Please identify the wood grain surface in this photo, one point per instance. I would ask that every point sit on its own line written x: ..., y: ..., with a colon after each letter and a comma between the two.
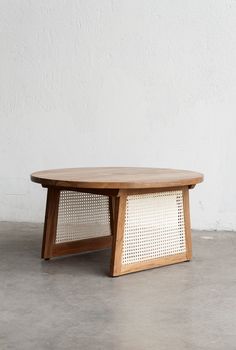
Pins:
x: 116, y: 178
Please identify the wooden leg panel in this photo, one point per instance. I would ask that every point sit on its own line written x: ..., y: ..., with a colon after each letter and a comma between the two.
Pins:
x: 151, y: 229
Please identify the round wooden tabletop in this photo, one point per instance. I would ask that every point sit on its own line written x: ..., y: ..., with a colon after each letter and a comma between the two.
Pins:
x: 116, y: 178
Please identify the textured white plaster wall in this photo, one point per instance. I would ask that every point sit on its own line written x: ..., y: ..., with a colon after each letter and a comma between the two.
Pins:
x: 123, y: 82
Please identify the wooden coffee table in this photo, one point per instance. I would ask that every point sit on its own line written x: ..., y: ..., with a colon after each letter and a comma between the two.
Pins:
x: 142, y: 213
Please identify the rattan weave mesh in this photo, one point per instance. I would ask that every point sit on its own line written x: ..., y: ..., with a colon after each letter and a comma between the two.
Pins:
x: 82, y: 216
x: 154, y: 226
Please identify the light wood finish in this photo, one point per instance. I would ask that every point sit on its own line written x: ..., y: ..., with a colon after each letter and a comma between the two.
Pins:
x: 135, y: 191
x: 116, y: 178
x: 50, y: 223
x: 101, y: 191
x: 168, y: 260
x: 112, y: 204
x: 83, y: 245
x: 117, y: 183
x: 52, y: 249
x: 117, y: 268
x: 120, y: 209
x: 188, y: 236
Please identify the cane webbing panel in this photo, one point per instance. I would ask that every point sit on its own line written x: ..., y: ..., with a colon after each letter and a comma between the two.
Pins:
x: 154, y: 226
x: 82, y: 216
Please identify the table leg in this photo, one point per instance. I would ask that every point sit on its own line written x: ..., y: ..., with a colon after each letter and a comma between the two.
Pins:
x: 50, y: 223
x: 76, y: 222
x: 118, y: 234
x: 151, y: 229
x: 188, y: 234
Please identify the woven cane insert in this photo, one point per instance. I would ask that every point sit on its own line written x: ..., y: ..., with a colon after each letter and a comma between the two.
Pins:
x: 82, y: 216
x: 154, y: 226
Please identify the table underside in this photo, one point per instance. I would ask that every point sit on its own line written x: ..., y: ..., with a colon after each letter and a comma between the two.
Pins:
x: 144, y: 228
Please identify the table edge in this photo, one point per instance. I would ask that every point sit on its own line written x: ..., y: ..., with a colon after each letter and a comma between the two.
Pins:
x: 117, y: 185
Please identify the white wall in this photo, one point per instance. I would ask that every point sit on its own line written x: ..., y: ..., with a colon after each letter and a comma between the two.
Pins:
x: 123, y: 82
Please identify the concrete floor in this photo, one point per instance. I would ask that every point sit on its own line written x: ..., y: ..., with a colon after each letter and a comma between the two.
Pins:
x: 70, y: 303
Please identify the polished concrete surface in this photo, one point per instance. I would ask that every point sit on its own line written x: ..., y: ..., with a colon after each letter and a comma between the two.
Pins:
x: 70, y: 303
